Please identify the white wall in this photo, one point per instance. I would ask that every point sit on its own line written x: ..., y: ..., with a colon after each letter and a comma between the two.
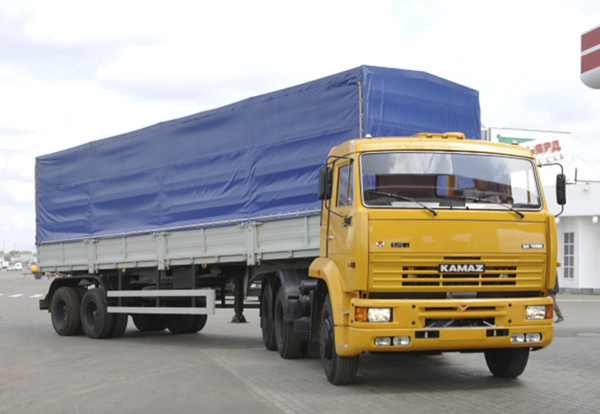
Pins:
x: 583, y: 204
x: 588, y: 253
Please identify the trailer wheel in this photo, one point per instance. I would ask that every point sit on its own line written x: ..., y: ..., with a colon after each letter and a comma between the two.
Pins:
x: 180, y: 324
x: 146, y: 322
x: 266, y: 317
x: 119, y: 325
x: 287, y: 344
x: 65, y: 311
x: 339, y: 370
x: 199, y: 323
x: 95, y: 320
x: 507, y: 363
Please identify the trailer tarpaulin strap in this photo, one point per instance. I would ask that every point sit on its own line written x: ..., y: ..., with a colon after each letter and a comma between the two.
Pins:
x: 257, y: 158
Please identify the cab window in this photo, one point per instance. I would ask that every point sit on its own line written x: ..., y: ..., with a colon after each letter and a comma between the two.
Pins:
x: 345, y: 186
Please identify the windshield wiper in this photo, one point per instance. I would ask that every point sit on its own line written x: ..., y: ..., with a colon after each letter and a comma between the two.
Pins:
x: 404, y: 198
x: 482, y: 199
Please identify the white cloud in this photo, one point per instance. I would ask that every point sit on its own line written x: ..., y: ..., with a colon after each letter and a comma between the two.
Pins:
x: 72, y: 71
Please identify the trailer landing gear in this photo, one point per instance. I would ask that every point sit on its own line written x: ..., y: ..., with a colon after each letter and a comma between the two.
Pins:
x: 238, y: 301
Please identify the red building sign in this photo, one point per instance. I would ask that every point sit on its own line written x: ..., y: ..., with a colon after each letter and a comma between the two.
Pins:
x: 590, y: 58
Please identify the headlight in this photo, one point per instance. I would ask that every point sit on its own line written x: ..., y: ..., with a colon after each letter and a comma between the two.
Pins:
x: 379, y: 315
x: 536, y: 312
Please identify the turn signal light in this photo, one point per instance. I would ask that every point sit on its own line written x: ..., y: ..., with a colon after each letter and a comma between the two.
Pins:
x: 361, y: 314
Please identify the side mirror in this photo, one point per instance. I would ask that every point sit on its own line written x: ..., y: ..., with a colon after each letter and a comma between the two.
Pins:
x: 325, y: 182
x: 561, y: 189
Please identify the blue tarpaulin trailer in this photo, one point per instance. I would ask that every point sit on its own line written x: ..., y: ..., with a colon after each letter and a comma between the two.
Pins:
x: 253, y: 160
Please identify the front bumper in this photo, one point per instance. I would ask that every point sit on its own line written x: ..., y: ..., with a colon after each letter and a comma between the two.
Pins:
x: 445, y: 325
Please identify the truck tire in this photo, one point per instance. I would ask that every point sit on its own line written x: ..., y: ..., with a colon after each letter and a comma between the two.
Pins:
x: 507, y: 363
x: 119, y: 325
x: 199, y: 323
x: 146, y: 322
x: 65, y: 311
x: 95, y: 320
x: 266, y: 317
x: 339, y: 370
x: 287, y: 344
x: 180, y: 324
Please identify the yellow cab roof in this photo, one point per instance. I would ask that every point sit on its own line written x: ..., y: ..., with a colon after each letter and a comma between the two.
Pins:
x: 432, y: 142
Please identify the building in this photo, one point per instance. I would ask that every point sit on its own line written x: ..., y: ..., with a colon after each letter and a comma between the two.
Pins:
x: 578, y: 226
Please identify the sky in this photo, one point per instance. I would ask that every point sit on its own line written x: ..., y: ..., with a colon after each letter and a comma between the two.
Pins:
x: 74, y: 71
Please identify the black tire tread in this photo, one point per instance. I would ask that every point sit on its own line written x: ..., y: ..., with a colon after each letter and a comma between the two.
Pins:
x: 146, y: 322
x: 338, y: 369
x: 198, y: 324
x: 68, y: 296
x: 100, y: 326
x: 180, y: 324
x: 507, y: 363
x: 267, y: 321
x: 288, y: 345
x: 119, y: 325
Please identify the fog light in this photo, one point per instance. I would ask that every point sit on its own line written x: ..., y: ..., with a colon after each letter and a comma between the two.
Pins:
x: 401, y: 340
x: 536, y: 312
x: 383, y: 341
x: 380, y: 314
x: 533, y: 337
x: 517, y: 338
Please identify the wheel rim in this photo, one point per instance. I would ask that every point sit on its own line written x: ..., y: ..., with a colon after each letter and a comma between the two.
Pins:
x: 91, y: 314
x: 61, y: 313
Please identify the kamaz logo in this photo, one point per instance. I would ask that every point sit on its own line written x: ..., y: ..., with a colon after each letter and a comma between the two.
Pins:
x: 462, y: 268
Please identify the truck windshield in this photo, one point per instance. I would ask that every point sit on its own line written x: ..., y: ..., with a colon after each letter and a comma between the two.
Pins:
x: 448, y: 180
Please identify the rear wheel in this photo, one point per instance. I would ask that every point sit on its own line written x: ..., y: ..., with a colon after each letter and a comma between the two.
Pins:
x: 266, y: 317
x: 65, y: 311
x: 198, y: 324
x: 180, y: 324
x: 339, y: 370
x: 507, y: 363
x: 95, y: 320
x: 287, y: 344
x: 119, y: 325
x: 145, y: 322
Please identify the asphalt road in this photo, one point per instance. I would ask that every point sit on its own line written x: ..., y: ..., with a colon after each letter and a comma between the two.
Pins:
x: 225, y: 369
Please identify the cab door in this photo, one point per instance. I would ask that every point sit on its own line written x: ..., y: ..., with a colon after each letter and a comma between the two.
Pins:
x: 341, y: 229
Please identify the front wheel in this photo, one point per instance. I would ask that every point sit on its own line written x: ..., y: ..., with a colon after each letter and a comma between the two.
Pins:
x: 339, y: 370
x: 507, y: 363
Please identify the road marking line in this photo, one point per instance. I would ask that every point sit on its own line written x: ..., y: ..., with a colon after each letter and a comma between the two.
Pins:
x: 39, y: 295
x: 18, y: 295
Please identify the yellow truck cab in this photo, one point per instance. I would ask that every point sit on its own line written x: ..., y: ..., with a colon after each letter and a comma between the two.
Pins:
x: 434, y: 243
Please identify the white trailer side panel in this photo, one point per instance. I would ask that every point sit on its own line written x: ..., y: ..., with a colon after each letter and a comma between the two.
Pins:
x: 249, y: 243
